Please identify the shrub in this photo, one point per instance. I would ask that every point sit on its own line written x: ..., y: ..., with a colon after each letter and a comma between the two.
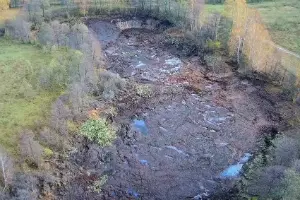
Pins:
x: 144, y: 90
x: 79, y: 35
x: 72, y: 126
x: 25, y: 186
x: 46, y: 35
x: 18, y: 29
x: 48, y: 153
x: 286, y: 151
x: 30, y: 149
x: 292, y: 185
x: 59, y: 116
x: 99, y: 131
x: 26, y: 90
x: 79, y: 99
x: 213, y: 45
x: 4, y: 4
x: 296, y: 165
x: 110, y: 85
x: 215, y: 62
x: 268, y: 183
x: 97, y: 185
x: 50, y: 138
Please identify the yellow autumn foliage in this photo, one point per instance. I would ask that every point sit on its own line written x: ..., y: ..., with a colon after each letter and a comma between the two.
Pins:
x: 251, y: 40
x: 4, y: 4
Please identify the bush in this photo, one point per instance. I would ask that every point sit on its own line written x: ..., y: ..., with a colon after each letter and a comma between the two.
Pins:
x: 48, y: 153
x: 50, y: 138
x: 30, y: 149
x: 215, y: 62
x: 110, y: 85
x: 286, y: 151
x: 296, y: 165
x: 213, y: 45
x: 268, y: 183
x: 292, y: 185
x: 97, y: 185
x: 144, y: 90
x: 25, y: 187
x: 99, y: 131
x: 18, y: 29
x: 46, y: 35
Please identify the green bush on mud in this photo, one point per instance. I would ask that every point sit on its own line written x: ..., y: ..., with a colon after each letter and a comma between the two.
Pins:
x: 97, y: 185
x: 98, y: 130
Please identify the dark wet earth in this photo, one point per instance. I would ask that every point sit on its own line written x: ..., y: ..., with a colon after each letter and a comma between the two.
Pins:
x: 174, y: 146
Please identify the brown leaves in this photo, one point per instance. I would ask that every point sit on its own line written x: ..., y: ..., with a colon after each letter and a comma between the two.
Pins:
x: 190, y: 76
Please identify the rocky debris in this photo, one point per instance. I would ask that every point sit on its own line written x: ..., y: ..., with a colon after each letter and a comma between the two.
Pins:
x: 174, y: 144
x: 149, y: 24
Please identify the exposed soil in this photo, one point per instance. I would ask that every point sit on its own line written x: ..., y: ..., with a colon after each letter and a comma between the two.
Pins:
x: 175, y: 143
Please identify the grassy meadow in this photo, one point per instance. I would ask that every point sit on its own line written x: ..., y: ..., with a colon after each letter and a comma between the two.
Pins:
x: 22, y: 103
x: 281, y: 17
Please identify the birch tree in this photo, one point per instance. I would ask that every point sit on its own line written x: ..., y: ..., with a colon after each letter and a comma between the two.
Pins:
x: 6, y: 172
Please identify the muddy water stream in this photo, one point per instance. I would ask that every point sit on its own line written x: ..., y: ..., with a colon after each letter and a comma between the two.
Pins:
x: 175, y: 146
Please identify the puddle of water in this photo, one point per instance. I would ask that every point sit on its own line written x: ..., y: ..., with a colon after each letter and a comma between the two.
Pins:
x: 141, y: 64
x: 133, y: 193
x: 173, y: 61
x: 234, y: 171
x: 144, y: 162
x: 212, y: 117
x: 140, y: 125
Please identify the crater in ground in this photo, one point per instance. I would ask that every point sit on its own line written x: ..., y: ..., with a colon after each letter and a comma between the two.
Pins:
x: 175, y: 144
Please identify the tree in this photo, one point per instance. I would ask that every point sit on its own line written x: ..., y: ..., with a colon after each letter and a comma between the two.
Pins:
x: 25, y: 187
x: 34, y: 11
x: 59, y: 115
x: 7, y: 171
x: 78, y: 36
x: 60, y: 33
x: 250, y: 38
x: 78, y: 98
x: 44, y: 4
x: 195, y: 8
x: 110, y: 85
x: 83, y: 5
x: 30, y: 149
x: 4, y: 4
x: 46, y: 35
x: 18, y: 29
x: 50, y: 138
x: 286, y: 151
x: 268, y: 182
x: 291, y: 191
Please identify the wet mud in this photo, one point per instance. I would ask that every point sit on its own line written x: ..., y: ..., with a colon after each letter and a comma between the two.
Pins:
x: 174, y: 145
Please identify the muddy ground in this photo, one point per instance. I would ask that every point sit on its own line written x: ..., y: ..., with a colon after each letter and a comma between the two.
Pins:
x: 174, y: 143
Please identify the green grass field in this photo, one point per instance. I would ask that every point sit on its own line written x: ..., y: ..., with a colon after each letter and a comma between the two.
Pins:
x: 22, y: 104
x: 281, y: 17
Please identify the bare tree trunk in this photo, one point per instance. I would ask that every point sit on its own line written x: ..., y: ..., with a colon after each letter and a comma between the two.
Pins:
x: 3, y: 172
x: 217, y: 26
x: 239, y: 50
